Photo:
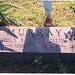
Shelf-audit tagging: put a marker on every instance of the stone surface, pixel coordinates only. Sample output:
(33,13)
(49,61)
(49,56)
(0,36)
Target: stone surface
(37,39)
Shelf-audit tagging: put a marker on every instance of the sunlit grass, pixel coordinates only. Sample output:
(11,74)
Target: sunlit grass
(33,14)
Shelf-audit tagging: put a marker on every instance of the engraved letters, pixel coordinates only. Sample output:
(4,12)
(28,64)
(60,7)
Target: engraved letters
(38,39)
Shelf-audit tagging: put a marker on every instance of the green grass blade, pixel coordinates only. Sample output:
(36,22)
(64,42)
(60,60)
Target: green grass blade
(4,18)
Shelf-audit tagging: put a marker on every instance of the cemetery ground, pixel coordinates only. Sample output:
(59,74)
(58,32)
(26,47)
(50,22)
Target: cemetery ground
(33,14)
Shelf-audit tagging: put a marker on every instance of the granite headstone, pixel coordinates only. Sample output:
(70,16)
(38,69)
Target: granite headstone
(37,39)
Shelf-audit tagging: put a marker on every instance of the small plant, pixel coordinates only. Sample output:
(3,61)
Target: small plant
(61,66)
(3,13)
(37,61)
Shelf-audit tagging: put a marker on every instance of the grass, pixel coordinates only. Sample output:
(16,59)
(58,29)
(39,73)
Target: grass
(33,14)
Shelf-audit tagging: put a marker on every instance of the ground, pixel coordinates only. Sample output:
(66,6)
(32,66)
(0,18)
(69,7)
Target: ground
(33,14)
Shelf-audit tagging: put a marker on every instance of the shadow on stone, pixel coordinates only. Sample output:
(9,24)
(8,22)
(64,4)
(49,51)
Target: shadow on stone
(8,31)
(2,47)
(38,41)
(71,34)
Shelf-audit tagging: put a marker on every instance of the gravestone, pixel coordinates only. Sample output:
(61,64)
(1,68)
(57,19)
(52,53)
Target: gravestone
(37,39)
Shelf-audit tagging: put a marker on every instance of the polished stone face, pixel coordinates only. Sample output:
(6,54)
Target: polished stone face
(37,39)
